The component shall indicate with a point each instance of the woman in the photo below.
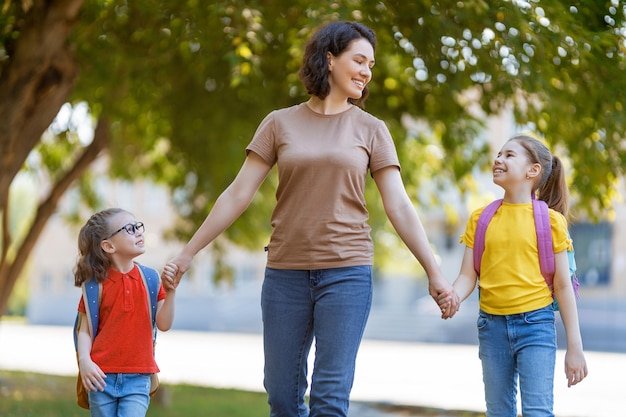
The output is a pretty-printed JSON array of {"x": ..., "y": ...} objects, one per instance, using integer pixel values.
[{"x": 318, "y": 280}]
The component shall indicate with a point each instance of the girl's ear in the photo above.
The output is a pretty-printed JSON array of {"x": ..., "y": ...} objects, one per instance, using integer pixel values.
[
  {"x": 329, "y": 58},
  {"x": 107, "y": 246},
  {"x": 533, "y": 171}
]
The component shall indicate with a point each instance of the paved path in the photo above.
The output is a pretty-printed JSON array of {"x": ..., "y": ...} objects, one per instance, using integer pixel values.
[{"x": 431, "y": 375}]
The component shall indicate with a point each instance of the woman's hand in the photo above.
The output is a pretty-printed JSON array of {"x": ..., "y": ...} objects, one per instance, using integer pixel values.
[{"x": 448, "y": 302}]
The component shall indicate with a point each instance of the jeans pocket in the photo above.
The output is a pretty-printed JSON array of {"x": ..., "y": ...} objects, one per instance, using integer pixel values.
[
  {"x": 543, "y": 315},
  {"x": 482, "y": 320}
]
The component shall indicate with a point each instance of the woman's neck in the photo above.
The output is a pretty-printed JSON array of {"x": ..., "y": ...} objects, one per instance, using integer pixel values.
[{"x": 328, "y": 105}]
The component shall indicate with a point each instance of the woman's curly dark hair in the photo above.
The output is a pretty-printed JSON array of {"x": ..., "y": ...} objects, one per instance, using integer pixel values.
[{"x": 334, "y": 37}]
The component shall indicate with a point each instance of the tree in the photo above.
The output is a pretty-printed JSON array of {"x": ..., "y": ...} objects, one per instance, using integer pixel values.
[
  {"x": 178, "y": 88},
  {"x": 36, "y": 79}
]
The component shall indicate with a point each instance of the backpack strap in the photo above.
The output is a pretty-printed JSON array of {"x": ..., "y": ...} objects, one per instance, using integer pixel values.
[
  {"x": 544, "y": 241},
  {"x": 542, "y": 229},
  {"x": 481, "y": 230},
  {"x": 152, "y": 283},
  {"x": 92, "y": 294}
]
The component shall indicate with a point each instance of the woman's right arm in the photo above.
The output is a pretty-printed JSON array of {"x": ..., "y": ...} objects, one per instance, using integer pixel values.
[{"x": 228, "y": 207}]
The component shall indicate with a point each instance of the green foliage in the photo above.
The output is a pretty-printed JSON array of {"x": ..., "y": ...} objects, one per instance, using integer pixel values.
[
  {"x": 21, "y": 209},
  {"x": 186, "y": 83},
  {"x": 553, "y": 64}
]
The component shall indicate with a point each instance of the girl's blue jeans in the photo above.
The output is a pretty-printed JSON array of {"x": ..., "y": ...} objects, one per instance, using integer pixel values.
[
  {"x": 518, "y": 347},
  {"x": 330, "y": 305},
  {"x": 125, "y": 395}
]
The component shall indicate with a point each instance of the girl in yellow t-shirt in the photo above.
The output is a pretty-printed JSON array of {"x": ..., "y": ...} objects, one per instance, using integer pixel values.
[{"x": 516, "y": 322}]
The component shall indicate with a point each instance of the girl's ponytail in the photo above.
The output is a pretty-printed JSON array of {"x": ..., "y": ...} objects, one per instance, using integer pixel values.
[{"x": 552, "y": 187}]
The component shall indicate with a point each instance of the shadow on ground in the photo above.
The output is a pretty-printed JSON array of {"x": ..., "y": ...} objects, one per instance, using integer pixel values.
[{"x": 416, "y": 411}]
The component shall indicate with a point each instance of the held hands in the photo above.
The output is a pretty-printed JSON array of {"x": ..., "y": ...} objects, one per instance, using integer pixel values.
[
  {"x": 169, "y": 277},
  {"x": 174, "y": 270},
  {"x": 444, "y": 295},
  {"x": 449, "y": 303}
]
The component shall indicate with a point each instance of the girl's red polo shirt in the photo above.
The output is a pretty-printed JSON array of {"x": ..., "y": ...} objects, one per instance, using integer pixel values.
[{"x": 123, "y": 343}]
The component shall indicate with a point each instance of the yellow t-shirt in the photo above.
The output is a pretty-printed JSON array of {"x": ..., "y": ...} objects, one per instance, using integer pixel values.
[{"x": 510, "y": 275}]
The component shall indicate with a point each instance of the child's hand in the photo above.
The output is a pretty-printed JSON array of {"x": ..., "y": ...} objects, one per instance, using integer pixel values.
[
  {"x": 575, "y": 367},
  {"x": 448, "y": 303},
  {"x": 168, "y": 277},
  {"x": 91, "y": 375}
]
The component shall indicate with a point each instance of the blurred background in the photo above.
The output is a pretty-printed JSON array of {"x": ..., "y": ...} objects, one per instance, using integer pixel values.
[{"x": 149, "y": 105}]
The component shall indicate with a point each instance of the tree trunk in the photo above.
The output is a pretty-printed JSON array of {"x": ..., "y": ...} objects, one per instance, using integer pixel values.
[
  {"x": 35, "y": 82},
  {"x": 11, "y": 271}
]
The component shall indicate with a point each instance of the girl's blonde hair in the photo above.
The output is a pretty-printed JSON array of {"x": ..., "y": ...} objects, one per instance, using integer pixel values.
[
  {"x": 552, "y": 186},
  {"x": 92, "y": 261}
]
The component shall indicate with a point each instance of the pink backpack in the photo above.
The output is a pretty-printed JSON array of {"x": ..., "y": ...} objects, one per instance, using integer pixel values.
[{"x": 544, "y": 241}]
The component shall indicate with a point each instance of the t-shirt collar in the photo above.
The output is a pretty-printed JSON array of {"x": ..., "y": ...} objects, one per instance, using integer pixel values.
[{"x": 115, "y": 275}]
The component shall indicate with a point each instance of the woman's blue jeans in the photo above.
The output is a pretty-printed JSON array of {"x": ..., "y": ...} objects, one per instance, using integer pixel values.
[
  {"x": 518, "y": 346},
  {"x": 330, "y": 305},
  {"x": 125, "y": 395}
]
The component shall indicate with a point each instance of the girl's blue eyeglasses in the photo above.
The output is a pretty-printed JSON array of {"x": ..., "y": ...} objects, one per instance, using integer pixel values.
[{"x": 130, "y": 228}]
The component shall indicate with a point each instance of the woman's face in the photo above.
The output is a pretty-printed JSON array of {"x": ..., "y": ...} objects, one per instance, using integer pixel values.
[{"x": 351, "y": 70}]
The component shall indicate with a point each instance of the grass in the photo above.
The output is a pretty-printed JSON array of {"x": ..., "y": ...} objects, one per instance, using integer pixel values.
[{"x": 24, "y": 394}]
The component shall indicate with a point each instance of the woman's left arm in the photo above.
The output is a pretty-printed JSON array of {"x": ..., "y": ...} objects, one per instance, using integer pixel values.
[
  {"x": 575, "y": 364},
  {"x": 407, "y": 224}
]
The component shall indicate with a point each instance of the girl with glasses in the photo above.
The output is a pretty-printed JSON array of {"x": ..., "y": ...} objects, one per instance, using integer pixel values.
[{"x": 116, "y": 365}]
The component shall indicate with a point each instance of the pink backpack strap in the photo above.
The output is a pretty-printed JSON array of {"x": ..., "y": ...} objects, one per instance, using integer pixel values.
[
  {"x": 481, "y": 230},
  {"x": 544, "y": 240},
  {"x": 543, "y": 230}
]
